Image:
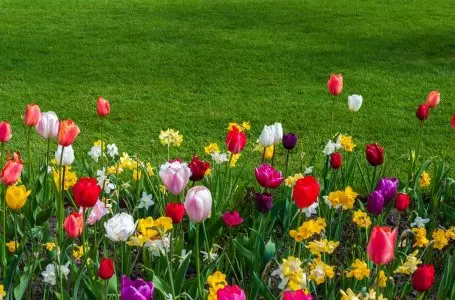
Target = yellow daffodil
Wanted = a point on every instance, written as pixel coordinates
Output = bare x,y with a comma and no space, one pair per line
70,178
420,237
308,229
16,196
98,144
291,180
440,239
150,169
319,271
79,251
215,281
50,246
424,180
154,229
211,148
137,175
349,295
246,125
234,159
171,137
322,246
410,265
12,246
450,233
382,280
361,218
359,270
2,291
347,143
291,274
342,198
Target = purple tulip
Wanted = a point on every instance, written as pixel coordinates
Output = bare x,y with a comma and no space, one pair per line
289,141
136,289
388,187
375,203
264,202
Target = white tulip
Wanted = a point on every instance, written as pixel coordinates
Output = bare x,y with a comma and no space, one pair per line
267,136
355,102
120,227
278,133
48,125
68,155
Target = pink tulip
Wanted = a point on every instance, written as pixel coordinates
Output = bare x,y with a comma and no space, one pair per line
198,203
103,108
98,211
67,132
47,126
12,170
74,224
381,246
232,219
229,292
433,99
296,295
268,177
335,84
32,115
175,176
5,132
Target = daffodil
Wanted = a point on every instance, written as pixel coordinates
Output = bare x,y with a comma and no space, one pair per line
424,179
319,271
359,270
440,239
50,246
291,180
211,148
349,295
70,178
322,246
381,281
171,137
2,291
291,274
234,159
420,237
12,246
410,265
346,143
215,281
361,218
308,229
344,198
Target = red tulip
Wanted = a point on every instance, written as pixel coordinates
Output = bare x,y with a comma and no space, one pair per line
12,170
336,160
32,115
381,246
5,132
374,154
422,112
198,168
175,211
306,191
106,269
235,140
86,192
402,201
67,132
232,219
453,121
423,278
74,224
335,84
103,108
433,99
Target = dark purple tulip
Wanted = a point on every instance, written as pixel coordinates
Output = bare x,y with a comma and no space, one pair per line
136,289
375,203
388,187
264,202
289,141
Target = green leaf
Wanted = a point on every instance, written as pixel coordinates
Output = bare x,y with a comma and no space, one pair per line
20,289
161,285
181,273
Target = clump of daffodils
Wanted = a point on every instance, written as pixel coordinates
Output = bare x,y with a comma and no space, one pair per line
171,137
291,180
361,218
320,271
322,246
215,282
359,270
308,229
342,198
291,274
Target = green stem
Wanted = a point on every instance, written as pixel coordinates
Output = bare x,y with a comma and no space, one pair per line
62,195
170,269
273,155
4,262
373,179
198,264
287,164
417,153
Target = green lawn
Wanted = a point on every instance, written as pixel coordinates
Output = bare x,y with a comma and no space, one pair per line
197,65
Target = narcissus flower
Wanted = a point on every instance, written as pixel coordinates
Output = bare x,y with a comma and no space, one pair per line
319,271
12,246
359,270
291,274
103,107
211,148
322,246
306,191
424,180
361,218
171,137
420,237
423,278
16,196
32,115
381,246
440,239
346,143
381,280
308,229
342,198
335,84
216,281
410,265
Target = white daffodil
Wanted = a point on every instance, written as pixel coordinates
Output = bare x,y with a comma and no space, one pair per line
146,201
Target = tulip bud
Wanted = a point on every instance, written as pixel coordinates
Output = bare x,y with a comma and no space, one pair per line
32,115
433,99
106,269
198,203
355,102
375,203
48,125
175,211
422,112
335,84
402,202
198,168
452,123
423,278
289,141
67,132
86,192
267,136
235,140
232,219
103,108
12,170
68,155
374,154
336,160
263,202
5,132
277,133
268,177
381,246
306,191
16,196
74,224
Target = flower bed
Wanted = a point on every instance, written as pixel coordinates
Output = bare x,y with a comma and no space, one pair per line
112,225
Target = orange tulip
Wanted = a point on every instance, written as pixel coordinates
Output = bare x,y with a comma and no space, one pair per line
32,115
12,170
67,132
335,84
432,99
103,108
381,246
74,224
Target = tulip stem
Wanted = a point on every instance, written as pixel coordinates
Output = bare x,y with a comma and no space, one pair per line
332,113
263,154
60,204
287,163
373,178
46,170
273,155
169,267
198,264
4,233
417,153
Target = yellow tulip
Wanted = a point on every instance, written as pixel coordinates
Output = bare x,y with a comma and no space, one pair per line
16,196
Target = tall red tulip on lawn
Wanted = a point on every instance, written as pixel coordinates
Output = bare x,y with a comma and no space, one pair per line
5,132
335,84
67,132
374,154
433,99
86,192
306,191
423,278
453,121
381,246
12,169
422,112
32,115
103,107
235,140
336,160
74,224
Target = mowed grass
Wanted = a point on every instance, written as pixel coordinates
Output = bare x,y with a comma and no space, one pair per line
197,65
